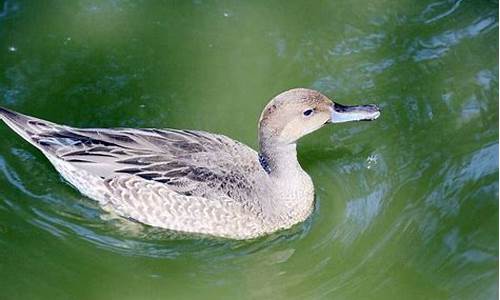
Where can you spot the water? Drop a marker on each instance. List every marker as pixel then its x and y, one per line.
pixel 406 206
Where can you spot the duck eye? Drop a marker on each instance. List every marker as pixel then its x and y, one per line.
pixel 308 112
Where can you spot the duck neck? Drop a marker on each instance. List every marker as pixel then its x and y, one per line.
pixel 279 160
pixel 292 191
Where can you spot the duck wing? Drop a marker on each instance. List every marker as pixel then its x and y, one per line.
pixel 192 163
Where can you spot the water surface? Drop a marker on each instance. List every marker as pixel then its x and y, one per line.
pixel 407 206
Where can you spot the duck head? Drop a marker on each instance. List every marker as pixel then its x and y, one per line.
pixel 297 112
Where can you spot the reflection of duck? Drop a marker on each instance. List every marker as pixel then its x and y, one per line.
pixel 194 181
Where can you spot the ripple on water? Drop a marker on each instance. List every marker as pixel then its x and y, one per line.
pixel 438 45
pixel 359 215
pixel 438 10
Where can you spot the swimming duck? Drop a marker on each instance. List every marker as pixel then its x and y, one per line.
pixel 194 181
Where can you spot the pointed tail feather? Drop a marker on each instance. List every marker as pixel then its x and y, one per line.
pixel 27 127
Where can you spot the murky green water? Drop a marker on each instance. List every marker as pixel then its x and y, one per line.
pixel 407 206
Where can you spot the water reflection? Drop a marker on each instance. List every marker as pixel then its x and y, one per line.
pixel 438 45
pixel 439 10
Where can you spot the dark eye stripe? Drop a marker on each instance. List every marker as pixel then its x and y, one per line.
pixel 308 112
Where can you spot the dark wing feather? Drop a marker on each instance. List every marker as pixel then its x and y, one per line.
pixel 190 162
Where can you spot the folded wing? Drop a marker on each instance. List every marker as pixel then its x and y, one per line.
pixel 192 163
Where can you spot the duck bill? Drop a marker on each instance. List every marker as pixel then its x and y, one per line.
pixel 343 113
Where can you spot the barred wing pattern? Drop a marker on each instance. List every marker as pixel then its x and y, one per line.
pixel 191 163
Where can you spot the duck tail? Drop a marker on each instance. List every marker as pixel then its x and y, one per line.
pixel 27 127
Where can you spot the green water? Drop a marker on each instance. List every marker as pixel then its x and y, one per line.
pixel 407 206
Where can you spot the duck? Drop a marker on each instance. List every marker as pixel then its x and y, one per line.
pixel 196 182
